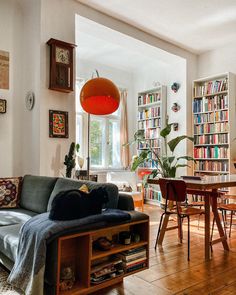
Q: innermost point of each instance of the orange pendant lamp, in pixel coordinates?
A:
(99, 96)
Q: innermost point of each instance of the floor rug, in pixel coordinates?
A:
(5, 288)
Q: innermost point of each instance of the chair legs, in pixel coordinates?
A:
(159, 229)
(231, 220)
(188, 238)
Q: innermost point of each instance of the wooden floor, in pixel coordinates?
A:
(171, 273)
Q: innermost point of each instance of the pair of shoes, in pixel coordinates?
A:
(103, 244)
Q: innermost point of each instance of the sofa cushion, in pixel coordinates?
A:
(75, 204)
(15, 216)
(10, 189)
(36, 191)
(68, 184)
(9, 238)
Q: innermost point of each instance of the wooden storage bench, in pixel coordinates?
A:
(77, 252)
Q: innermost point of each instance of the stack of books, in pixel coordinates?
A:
(133, 259)
(106, 270)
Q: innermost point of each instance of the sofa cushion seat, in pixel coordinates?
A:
(36, 191)
(64, 184)
(9, 238)
(14, 216)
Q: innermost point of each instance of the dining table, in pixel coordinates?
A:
(210, 188)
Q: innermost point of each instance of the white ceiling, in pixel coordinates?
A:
(97, 43)
(196, 25)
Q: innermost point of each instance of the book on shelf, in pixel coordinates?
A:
(207, 104)
(211, 128)
(212, 165)
(211, 139)
(132, 257)
(147, 98)
(136, 266)
(134, 262)
(211, 152)
(149, 113)
(211, 87)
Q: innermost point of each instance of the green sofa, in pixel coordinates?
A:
(36, 197)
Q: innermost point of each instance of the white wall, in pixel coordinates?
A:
(24, 142)
(217, 61)
(10, 29)
(166, 74)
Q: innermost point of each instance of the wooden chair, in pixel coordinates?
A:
(174, 193)
(225, 207)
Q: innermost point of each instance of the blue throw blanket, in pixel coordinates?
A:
(28, 271)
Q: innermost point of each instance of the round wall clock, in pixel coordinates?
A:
(29, 100)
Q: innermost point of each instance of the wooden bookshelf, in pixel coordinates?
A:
(151, 119)
(214, 124)
(77, 252)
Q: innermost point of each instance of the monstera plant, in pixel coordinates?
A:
(166, 163)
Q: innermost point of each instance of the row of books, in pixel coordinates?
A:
(149, 164)
(150, 123)
(149, 143)
(148, 98)
(150, 113)
(212, 166)
(221, 115)
(211, 87)
(211, 128)
(210, 117)
(152, 133)
(209, 152)
(152, 194)
(211, 139)
(133, 259)
(210, 103)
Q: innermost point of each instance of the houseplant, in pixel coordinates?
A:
(166, 163)
(69, 161)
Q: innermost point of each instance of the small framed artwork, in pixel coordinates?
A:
(3, 106)
(58, 124)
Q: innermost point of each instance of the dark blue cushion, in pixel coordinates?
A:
(63, 184)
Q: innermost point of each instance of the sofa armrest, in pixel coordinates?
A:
(125, 202)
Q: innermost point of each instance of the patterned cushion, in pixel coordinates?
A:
(10, 192)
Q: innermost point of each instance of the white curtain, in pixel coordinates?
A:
(124, 150)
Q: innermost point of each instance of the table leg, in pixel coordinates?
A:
(163, 229)
(223, 237)
(207, 228)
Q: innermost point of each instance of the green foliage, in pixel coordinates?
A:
(167, 163)
(69, 161)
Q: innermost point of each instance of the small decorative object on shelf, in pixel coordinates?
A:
(175, 87)
(58, 124)
(103, 244)
(61, 65)
(67, 279)
(125, 237)
(3, 106)
(175, 107)
(214, 124)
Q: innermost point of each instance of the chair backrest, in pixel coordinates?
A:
(172, 189)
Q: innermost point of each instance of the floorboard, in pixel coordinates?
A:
(171, 273)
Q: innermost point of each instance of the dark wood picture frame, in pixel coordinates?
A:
(3, 106)
(58, 124)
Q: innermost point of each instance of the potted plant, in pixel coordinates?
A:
(166, 163)
(69, 161)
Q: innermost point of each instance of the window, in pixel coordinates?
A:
(104, 136)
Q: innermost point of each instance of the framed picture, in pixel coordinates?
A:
(58, 124)
(3, 106)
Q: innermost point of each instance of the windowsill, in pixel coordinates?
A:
(103, 170)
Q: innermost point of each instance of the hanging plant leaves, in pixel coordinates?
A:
(174, 142)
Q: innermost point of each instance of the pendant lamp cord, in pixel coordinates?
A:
(95, 71)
